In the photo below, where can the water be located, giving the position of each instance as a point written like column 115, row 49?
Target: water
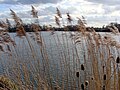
column 60, row 56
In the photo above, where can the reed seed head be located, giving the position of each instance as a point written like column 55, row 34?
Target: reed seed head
column 77, row 74
column 57, row 20
column 86, row 83
column 34, row 12
column 104, row 77
column 69, row 18
column 82, row 87
column 103, row 67
column 103, row 87
column 105, row 37
column 20, row 31
column 58, row 13
column 92, row 78
column 82, row 67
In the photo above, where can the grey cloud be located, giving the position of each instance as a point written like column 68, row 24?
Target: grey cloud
column 28, row 1
column 109, row 6
column 25, row 14
column 108, row 2
column 117, row 7
column 110, row 9
column 47, row 11
column 4, row 15
column 43, row 20
column 97, row 22
column 102, row 19
column 46, row 19
column 51, row 10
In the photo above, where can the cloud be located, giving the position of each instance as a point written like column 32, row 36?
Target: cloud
column 107, row 2
column 28, row 1
column 103, row 14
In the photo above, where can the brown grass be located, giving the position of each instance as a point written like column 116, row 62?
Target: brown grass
column 83, row 61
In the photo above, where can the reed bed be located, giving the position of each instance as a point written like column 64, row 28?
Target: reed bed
column 56, row 60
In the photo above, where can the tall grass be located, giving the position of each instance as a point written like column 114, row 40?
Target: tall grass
column 66, row 60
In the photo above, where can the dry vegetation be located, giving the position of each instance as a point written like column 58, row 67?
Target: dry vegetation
column 80, row 61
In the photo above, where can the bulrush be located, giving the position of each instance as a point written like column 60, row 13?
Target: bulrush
column 118, row 60
column 77, row 74
column 104, row 77
column 103, row 67
column 82, row 67
column 92, row 78
column 103, row 87
column 82, row 87
column 86, row 83
column 107, row 39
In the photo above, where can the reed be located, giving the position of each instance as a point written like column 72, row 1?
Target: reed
column 66, row 60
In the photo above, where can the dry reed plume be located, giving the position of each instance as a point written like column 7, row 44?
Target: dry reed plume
column 79, row 60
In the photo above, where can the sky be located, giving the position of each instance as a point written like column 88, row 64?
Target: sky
column 96, row 12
